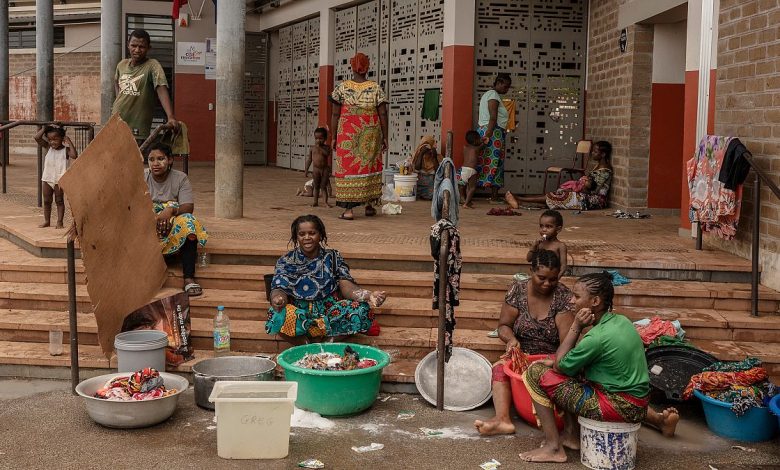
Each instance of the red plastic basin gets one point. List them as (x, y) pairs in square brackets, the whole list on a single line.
[(522, 399)]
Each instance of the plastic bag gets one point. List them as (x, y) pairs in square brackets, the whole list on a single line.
[(388, 193), (171, 315), (391, 209)]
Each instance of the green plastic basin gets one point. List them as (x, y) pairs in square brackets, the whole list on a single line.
[(334, 393)]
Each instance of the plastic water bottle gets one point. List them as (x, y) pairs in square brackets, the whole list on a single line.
[(221, 332)]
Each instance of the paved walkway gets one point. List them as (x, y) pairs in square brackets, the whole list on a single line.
[(53, 430), (270, 205)]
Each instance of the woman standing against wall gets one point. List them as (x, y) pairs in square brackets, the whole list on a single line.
[(360, 119), (493, 120)]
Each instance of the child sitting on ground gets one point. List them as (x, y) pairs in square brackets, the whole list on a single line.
[(318, 155), (59, 149), (467, 177), (550, 225)]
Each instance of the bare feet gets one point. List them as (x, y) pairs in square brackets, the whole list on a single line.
[(45, 224), (511, 200), (570, 441), (59, 225), (670, 419), (470, 205), (316, 204), (546, 453), (494, 426)]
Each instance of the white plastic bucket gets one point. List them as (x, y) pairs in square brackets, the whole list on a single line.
[(138, 349), (253, 418), (608, 446), (406, 187)]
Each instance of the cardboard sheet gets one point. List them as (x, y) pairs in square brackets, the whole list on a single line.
[(115, 223)]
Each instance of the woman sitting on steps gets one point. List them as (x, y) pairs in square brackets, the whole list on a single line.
[(313, 296)]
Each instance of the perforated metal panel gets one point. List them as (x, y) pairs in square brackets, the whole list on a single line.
[(541, 43), (255, 99), (298, 92), (344, 43), (283, 104)]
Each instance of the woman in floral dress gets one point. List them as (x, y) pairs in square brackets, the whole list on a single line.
[(360, 119)]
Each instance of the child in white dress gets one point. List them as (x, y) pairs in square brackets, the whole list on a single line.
[(59, 149)]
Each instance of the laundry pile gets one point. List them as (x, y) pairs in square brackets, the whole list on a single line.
[(517, 360), (658, 332), (619, 214), (332, 361), (502, 211), (145, 384), (743, 384)]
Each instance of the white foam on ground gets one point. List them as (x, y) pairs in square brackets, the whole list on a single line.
[(310, 420), (373, 428), (450, 433)]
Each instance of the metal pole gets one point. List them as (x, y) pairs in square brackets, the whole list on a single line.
[(229, 144), (445, 242), (39, 166), (699, 236), (754, 278), (111, 43), (44, 58), (74, 330), (4, 89)]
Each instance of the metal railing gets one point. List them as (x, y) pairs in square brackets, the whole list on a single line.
[(443, 282), (83, 134), (760, 176)]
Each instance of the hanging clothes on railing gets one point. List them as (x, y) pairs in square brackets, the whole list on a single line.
[(440, 184), (454, 264), (713, 205)]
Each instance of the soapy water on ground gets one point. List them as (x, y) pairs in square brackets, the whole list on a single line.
[(310, 420), (373, 428)]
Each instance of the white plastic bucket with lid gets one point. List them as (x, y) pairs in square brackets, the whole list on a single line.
[(253, 418), (406, 187), (138, 349), (608, 446)]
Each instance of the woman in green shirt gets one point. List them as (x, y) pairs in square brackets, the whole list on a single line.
[(611, 359)]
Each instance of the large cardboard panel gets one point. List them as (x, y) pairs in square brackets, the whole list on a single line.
[(115, 224)]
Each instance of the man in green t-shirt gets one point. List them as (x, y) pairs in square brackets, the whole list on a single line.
[(137, 81)]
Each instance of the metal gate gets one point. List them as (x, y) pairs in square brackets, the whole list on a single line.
[(255, 99), (297, 98), (542, 45)]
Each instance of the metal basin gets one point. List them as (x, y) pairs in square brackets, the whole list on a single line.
[(234, 368), (467, 380), (130, 414)]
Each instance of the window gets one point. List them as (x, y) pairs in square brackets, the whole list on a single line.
[(25, 38)]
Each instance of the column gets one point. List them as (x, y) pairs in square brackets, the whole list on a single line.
[(229, 144), (327, 60), (458, 89), (44, 49), (111, 43)]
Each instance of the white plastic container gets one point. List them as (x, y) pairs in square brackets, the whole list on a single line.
[(138, 349), (406, 187), (608, 446), (253, 418)]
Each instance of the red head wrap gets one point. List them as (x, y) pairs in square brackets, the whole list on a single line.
[(359, 63)]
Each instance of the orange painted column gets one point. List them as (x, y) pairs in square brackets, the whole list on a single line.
[(326, 87), (457, 99)]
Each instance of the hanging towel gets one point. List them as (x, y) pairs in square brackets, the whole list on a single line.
[(440, 183), (454, 264), (430, 106), (735, 167), (511, 124)]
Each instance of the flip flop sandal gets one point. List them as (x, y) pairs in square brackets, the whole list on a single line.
[(342, 217), (370, 212), (193, 289)]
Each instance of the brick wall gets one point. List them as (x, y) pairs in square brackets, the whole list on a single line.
[(76, 92), (618, 100), (748, 106)]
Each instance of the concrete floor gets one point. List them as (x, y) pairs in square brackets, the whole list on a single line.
[(44, 426)]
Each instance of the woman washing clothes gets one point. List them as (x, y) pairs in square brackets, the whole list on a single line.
[(173, 202), (610, 356), (313, 296), (360, 119), (588, 193), (535, 317)]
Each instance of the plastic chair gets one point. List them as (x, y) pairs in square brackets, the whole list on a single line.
[(581, 155)]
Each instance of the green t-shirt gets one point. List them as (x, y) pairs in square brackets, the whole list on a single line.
[(612, 355), (138, 94)]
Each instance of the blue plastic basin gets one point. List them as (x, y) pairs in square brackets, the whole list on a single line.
[(774, 407), (758, 424)]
